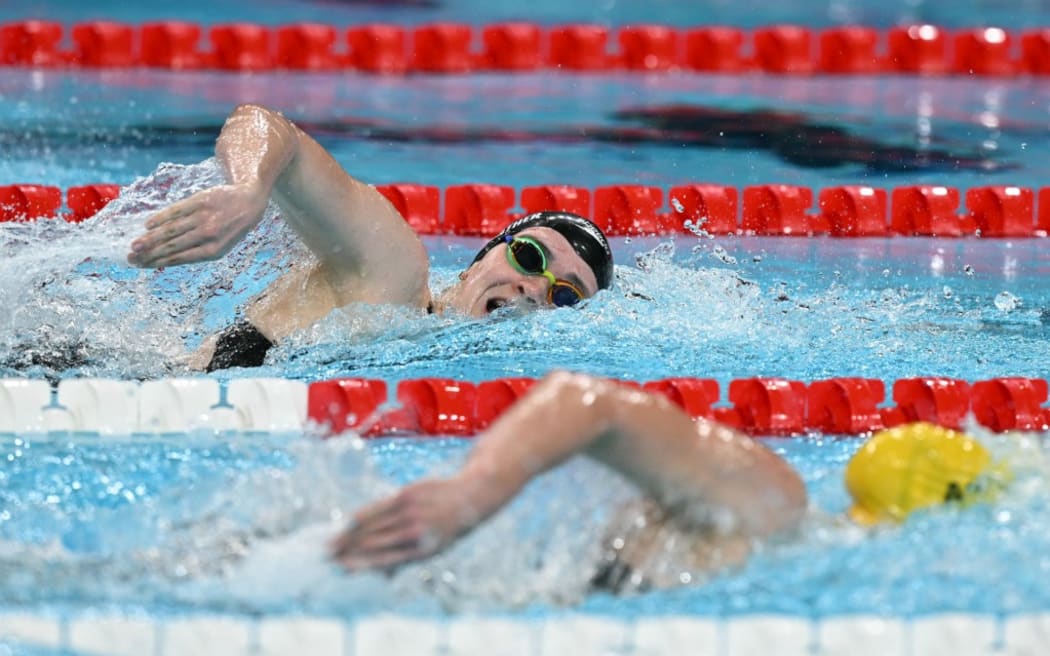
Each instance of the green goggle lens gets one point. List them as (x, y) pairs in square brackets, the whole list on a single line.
[(526, 256)]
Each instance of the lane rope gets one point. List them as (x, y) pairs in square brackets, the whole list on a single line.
[(459, 48), (998, 211), (446, 407)]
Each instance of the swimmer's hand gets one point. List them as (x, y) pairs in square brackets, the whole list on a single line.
[(200, 228), (419, 521)]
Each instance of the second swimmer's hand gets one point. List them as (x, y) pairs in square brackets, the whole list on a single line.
[(419, 521), (200, 228)]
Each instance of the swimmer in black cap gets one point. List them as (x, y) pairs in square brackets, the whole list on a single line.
[(365, 250)]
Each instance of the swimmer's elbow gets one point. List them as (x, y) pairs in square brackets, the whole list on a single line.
[(253, 116), (255, 109)]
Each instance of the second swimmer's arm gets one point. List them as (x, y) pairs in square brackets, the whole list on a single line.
[(644, 437), (674, 460)]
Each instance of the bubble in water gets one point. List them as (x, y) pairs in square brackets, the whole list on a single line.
[(1007, 302), (677, 205), (696, 229), (720, 254), (947, 291), (968, 270)]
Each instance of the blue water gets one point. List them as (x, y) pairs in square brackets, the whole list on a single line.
[(159, 524), (522, 130)]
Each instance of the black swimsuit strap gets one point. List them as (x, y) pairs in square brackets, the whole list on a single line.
[(240, 345)]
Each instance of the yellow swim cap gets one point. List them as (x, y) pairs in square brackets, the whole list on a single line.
[(915, 466)]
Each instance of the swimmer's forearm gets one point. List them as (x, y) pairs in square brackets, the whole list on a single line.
[(371, 254), (255, 146), (644, 437), (554, 421)]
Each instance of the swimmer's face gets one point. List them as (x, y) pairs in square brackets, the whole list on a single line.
[(492, 283)]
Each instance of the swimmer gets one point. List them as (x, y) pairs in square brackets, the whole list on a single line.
[(716, 489), (365, 251)]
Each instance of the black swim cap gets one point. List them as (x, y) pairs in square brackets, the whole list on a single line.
[(584, 237)]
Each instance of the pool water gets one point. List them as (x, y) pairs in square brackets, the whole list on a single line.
[(195, 524)]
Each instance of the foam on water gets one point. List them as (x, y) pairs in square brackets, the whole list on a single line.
[(223, 525), (76, 306)]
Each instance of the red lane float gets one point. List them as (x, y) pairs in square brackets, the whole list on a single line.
[(850, 50), (769, 406), (556, 198), (242, 47), (919, 49), (307, 47), (648, 48), (437, 406), (845, 406), (512, 47), (1001, 211), (449, 48), (104, 44), (84, 202), (628, 209), (983, 51), (926, 210), (31, 43), (943, 401), (442, 48), (694, 395), (776, 210), (760, 406), (579, 48), (1042, 223), (378, 48), (171, 44), (26, 202), (345, 403), (710, 208), (1035, 52), (1005, 404), (495, 396), (715, 50), (418, 204), (477, 209), (784, 49), (852, 211)]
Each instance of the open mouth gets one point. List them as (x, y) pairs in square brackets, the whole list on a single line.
[(494, 304)]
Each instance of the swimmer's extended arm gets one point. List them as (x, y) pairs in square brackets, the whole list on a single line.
[(369, 252), (646, 438)]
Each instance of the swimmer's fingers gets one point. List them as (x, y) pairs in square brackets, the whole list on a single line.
[(180, 237), (375, 517), (191, 256), (174, 211), (401, 543), (160, 236)]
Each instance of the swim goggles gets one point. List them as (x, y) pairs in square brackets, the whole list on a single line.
[(527, 256)]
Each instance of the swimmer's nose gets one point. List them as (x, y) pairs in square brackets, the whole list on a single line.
[(533, 288)]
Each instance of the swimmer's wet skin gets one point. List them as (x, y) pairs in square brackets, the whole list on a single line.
[(715, 488), (714, 485), (366, 252)]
